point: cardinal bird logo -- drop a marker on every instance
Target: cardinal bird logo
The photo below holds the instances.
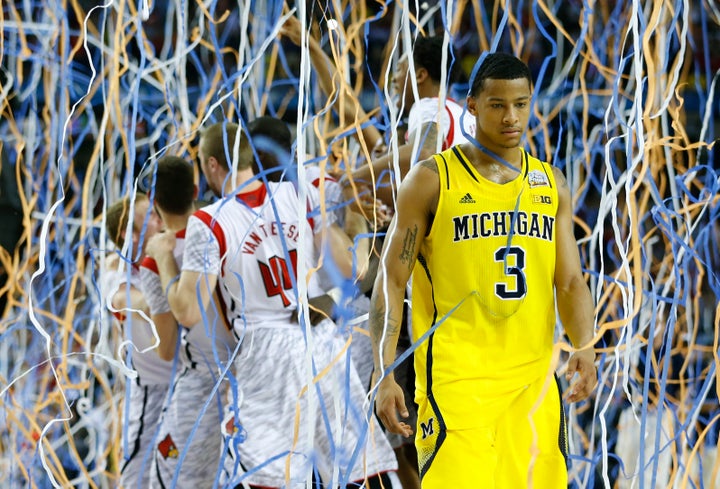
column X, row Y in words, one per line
column 167, row 447
column 230, row 427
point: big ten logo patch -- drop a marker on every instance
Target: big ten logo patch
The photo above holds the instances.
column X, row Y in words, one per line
column 427, row 429
column 167, row 447
column 542, row 199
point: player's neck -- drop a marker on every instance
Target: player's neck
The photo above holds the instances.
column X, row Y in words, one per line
column 429, row 89
column 241, row 183
column 175, row 223
column 513, row 156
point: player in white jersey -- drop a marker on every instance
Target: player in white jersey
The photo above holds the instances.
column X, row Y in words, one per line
column 272, row 141
column 146, row 394
column 429, row 120
column 188, row 447
column 292, row 407
column 450, row 117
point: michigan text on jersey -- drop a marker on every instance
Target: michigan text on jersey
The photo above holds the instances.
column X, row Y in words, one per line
column 495, row 224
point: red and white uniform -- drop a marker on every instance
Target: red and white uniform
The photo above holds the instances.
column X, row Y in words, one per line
column 146, row 395
column 282, row 417
column 330, row 202
column 250, row 242
column 451, row 120
column 189, row 435
column 332, row 194
column 361, row 347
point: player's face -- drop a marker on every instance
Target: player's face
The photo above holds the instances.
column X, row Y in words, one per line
column 152, row 226
column 502, row 111
column 209, row 177
column 402, row 86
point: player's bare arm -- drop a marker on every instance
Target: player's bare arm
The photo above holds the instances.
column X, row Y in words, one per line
column 428, row 140
column 124, row 300
column 416, row 204
column 167, row 329
column 351, row 262
column 331, row 83
column 188, row 293
column 165, row 323
column 574, row 300
column 372, row 172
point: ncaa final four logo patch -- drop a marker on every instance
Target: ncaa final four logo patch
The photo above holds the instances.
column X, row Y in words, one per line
column 536, row 178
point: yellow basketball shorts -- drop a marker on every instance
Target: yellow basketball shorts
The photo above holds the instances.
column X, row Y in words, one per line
column 518, row 440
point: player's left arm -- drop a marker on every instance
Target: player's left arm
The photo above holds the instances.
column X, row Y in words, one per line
column 347, row 257
column 574, row 301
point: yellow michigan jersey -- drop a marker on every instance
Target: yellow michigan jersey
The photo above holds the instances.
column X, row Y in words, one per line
column 485, row 273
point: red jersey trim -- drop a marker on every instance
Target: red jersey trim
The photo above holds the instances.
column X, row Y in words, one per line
column 215, row 228
column 150, row 264
column 253, row 198
column 451, row 132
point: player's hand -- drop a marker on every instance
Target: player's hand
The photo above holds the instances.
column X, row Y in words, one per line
column 321, row 307
column 363, row 202
column 581, row 363
column 162, row 243
column 389, row 402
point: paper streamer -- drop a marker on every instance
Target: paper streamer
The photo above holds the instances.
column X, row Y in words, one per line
column 625, row 103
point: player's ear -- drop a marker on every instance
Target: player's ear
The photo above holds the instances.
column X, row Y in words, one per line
column 196, row 191
column 471, row 105
column 421, row 74
column 212, row 163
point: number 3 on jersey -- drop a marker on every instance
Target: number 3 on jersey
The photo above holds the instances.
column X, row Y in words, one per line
column 513, row 259
column 276, row 276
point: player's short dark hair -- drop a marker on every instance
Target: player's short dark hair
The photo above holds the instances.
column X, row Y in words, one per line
column 273, row 128
column 273, row 143
column 174, row 185
column 218, row 141
column 499, row 66
column 428, row 54
column 117, row 217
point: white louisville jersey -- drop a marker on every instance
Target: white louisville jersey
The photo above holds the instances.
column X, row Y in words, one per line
column 328, row 192
column 452, row 119
column 252, row 242
column 325, row 195
column 151, row 369
column 207, row 343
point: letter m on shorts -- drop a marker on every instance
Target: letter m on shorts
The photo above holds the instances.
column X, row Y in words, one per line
column 427, row 429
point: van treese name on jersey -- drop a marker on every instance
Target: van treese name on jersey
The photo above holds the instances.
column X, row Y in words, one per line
column 496, row 224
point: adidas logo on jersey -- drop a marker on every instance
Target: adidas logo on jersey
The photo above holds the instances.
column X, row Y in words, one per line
column 467, row 199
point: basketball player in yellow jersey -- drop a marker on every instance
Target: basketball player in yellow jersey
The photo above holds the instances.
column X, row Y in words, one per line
column 485, row 230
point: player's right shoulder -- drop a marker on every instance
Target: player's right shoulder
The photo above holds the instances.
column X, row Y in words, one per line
column 429, row 164
column 422, row 184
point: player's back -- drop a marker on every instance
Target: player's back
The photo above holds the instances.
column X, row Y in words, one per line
column 261, row 235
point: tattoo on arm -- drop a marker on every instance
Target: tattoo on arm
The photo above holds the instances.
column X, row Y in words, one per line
column 430, row 164
column 377, row 322
column 378, row 326
column 407, row 253
column 429, row 135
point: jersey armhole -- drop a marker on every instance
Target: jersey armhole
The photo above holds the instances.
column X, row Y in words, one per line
column 443, row 174
column 216, row 229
